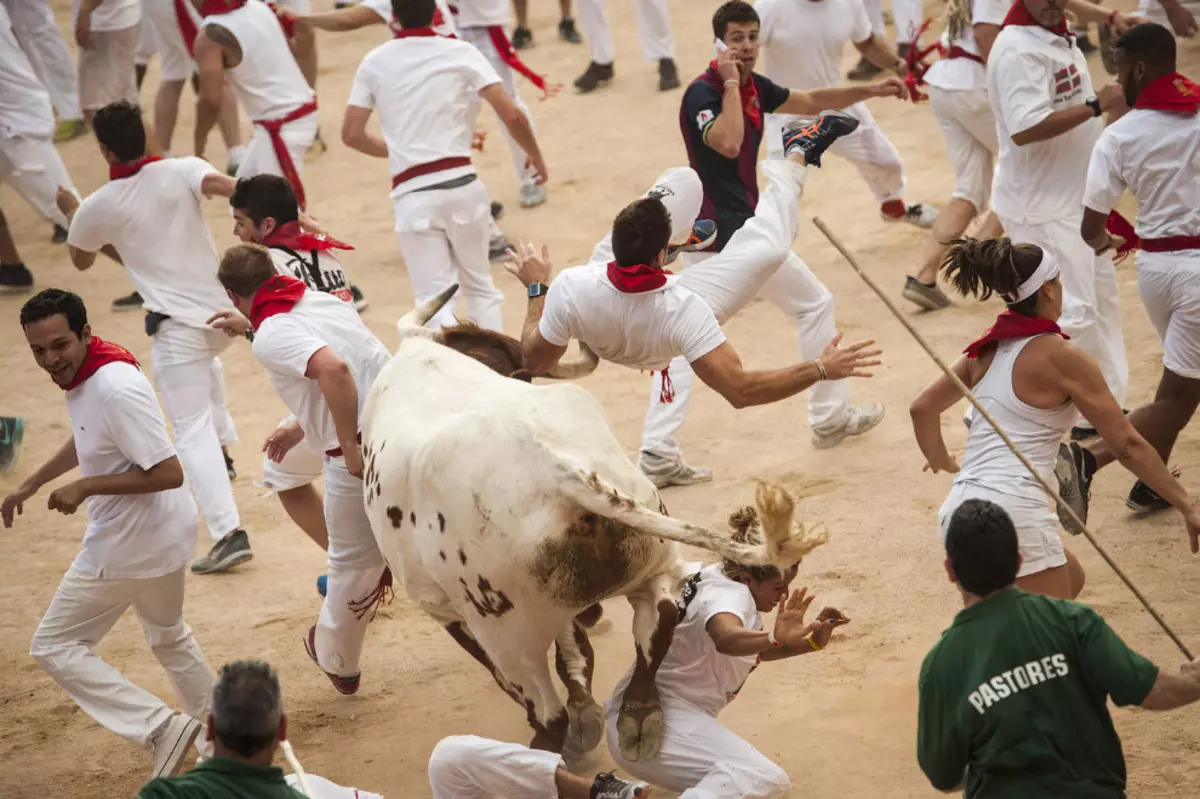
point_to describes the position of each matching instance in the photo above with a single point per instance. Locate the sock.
(237, 153)
(894, 208)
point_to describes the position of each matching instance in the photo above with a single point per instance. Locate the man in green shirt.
(1013, 698)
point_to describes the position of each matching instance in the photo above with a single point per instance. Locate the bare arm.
(728, 130)
(211, 73)
(1058, 123)
(344, 19)
(926, 412)
(540, 355)
(341, 395)
(985, 37)
(818, 100)
(1094, 229)
(162, 476)
(59, 464)
(355, 135)
(733, 639)
(1171, 691)
(880, 52)
(217, 184)
(82, 259)
(517, 124)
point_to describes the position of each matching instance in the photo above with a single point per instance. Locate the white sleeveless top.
(268, 81)
(1037, 432)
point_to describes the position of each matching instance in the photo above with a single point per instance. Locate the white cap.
(681, 192)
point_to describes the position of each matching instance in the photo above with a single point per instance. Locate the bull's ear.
(524, 375)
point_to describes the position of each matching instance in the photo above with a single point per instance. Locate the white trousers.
(965, 117)
(868, 148)
(470, 767)
(322, 788)
(1169, 285)
(260, 158)
(190, 382)
(1091, 313)
(482, 41)
(33, 167)
(653, 22)
(701, 758)
(443, 237)
(906, 15)
(33, 22)
(757, 261)
(82, 612)
(175, 62)
(355, 566)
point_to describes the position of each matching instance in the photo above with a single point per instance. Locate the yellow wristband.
(813, 644)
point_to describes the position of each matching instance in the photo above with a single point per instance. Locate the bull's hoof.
(586, 727)
(639, 730)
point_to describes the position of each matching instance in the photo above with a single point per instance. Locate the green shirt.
(1015, 694)
(222, 778)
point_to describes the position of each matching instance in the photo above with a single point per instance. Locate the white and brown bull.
(508, 511)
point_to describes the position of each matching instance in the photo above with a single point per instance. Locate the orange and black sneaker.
(704, 233)
(814, 138)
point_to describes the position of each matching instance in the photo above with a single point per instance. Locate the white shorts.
(106, 69)
(967, 123)
(1034, 517)
(146, 46)
(33, 167)
(176, 62)
(260, 158)
(299, 467)
(1169, 284)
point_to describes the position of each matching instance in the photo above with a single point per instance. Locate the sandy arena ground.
(842, 724)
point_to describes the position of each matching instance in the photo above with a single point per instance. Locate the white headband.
(1047, 270)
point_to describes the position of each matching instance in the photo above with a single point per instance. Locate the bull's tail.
(775, 510)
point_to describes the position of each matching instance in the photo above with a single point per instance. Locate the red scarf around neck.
(1010, 324)
(212, 8)
(292, 236)
(100, 353)
(749, 91)
(1019, 15)
(1171, 92)
(637, 278)
(118, 171)
(276, 296)
(408, 33)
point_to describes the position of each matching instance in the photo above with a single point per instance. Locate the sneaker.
(15, 278)
(532, 195)
(609, 786)
(1082, 432)
(668, 75)
(522, 38)
(593, 77)
(231, 550)
(567, 32)
(497, 210)
(12, 429)
(130, 302)
(922, 215)
(58, 235)
(318, 146)
(814, 139)
(1108, 52)
(1075, 468)
(864, 70)
(665, 472)
(1143, 499)
(346, 686)
(930, 298)
(704, 233)
(862, 418)
(357, 299)
(68, 129)
(170, 745)
(498, 248)
(232, 472)
(323, 584)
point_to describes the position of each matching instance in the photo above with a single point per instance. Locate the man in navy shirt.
(722, 124)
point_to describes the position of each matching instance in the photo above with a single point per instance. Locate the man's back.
(222, 778)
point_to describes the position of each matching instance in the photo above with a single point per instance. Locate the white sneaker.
(170, 745)
(532, 195)
(862, 418)
(922, 215)
(664, 472)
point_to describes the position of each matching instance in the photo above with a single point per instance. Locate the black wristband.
(1094, 103)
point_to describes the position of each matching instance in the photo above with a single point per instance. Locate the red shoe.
(344, 685)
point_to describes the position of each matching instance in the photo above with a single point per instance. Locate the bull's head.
(500, 353)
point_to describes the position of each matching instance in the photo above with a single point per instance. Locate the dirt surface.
(882, 565)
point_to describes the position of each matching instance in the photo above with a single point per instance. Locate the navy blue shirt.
(730, 184)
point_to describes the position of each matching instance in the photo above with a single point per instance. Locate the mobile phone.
(719, 47)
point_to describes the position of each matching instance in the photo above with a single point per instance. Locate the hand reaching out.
(849, 361)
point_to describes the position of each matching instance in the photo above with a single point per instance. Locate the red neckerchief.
(1171, 92)
(277, 295)
(292, 236)
(749, 91)
(1010, 325)
(1118, 225)
(212, 8)
(100, 353)
(914, 76)
(118, 171)
(405, 33)
(1019, 15)
(637, 278)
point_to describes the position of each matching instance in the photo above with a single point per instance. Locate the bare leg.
(166, 111)
(950, 224)
(563, 5)
(1161, 421)
(305, 51)
(8, 247)
(1062, 582)
(305, 507)
(521, 9)
(139, 72)
(227, 120)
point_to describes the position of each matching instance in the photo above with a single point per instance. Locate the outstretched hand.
(850, 361)
(890, 87)
(527, 264)
(232, 322)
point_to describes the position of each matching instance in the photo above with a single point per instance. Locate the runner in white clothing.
(1151, 151)
(906, 18)
(35, 26)
(141, 530)
(322, 360)
(106, 32)
(658, 44)
(427, 90)
(150, 213)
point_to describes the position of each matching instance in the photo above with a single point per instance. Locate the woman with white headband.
(1032, 381)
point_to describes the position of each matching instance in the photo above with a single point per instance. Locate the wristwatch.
(538, 290)
(1094, 103)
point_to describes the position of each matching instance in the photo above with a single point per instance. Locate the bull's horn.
(413, 323)
(582, 366)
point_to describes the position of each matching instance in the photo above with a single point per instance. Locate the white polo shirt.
(384, 9)
(426, 91)
(155, 222)
(320, 271)
(118, 425)
(25, 108)
(963, 73)
(285, 342)
(802, 40)
(268, 81)
(112, 15)
(483, 13)
(642, 331)
(1156, 156)
(1032, 73)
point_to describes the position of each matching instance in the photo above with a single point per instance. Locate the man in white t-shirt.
(34, 23)
(141, 529)
(658, 44)
(1152, 151)
(1047, 120)
(906, 18)
(106, 32)
(801, 45)
(427, 89)
(150, 213)
(321, 360)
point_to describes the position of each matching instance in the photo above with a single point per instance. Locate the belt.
(1171, 244)
(273, 127)
(336, 452)
(958, 52)
(440, 165)
(453, 183)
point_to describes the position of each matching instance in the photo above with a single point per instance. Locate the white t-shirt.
(1031, 74)
(963, 73)
(155, 222)
(693, 670)
(118, 425)
(642, 331)
(426, 90)
(112, 15)
(483, 13)
(384, 9)
(1156, 155)
(285, 342)
(802, 40)
(320, 271)
(25, 108)
(268, 81)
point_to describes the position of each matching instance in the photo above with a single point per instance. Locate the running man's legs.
(33, 22)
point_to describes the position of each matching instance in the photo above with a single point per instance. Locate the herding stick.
(970, 395)
(289, 755)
